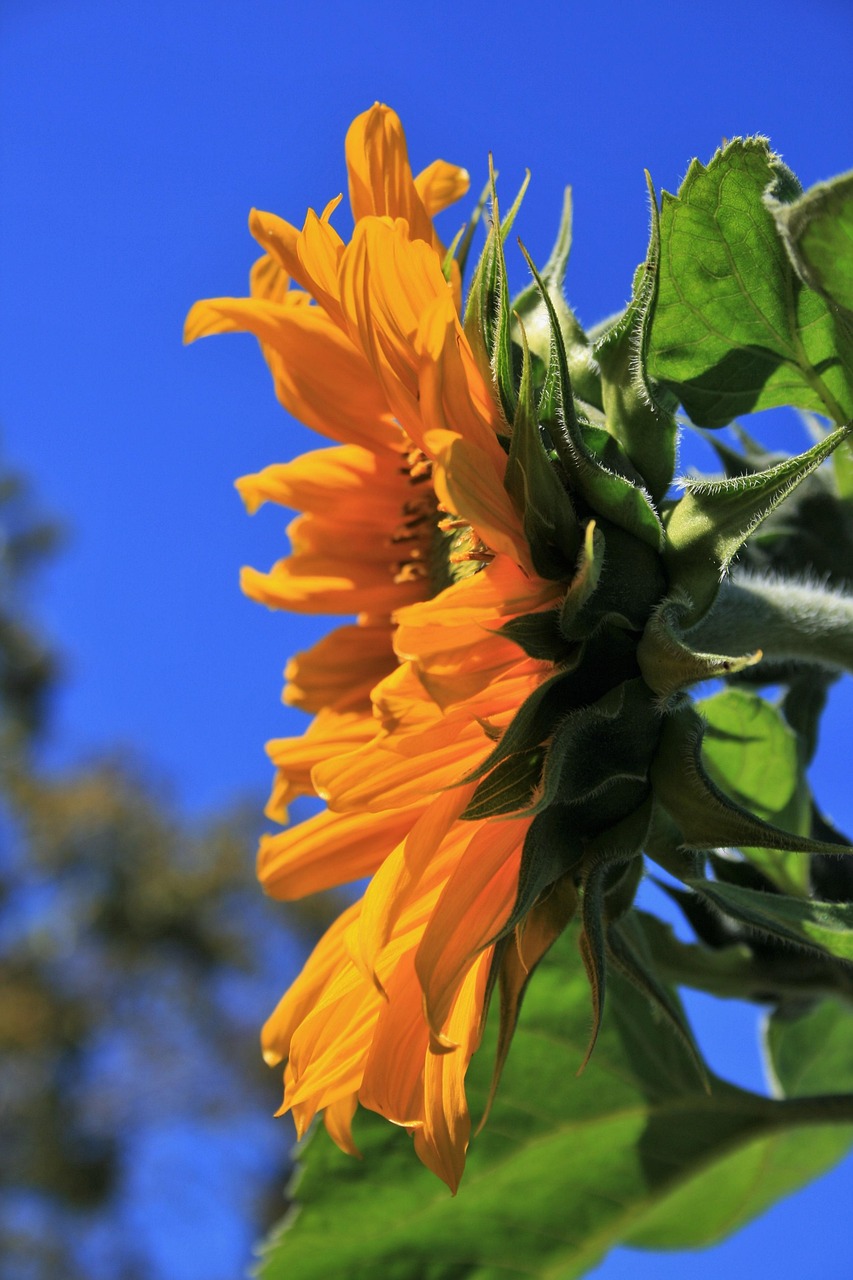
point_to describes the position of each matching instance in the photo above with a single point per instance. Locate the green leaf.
(811, 1053)
(754, 756)
(734, 328)
(817, 230)
(633, 1152)
(822, 926)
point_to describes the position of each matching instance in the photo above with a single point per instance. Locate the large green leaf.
(752, 755)
(734, 328)
(634, 1151)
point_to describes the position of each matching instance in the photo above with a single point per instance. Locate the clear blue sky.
(135, 138)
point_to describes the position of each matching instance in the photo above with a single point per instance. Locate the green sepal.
(812, 532)
(552, 849)
(598, 745)
(531, 724)
(605, 862)
(487, 312)
(509, 787)
(594, 462)
(826, 927)
(462, 241)
(583, 585)
(593, 949)
(450, 256)
(530, 310)
(619, 580)
(708, 526)
(646, 431)
(733, 328)
(667, 661)
(704, 815)
(817, 231)
(550, 524)
(555, 911)
(628, 952)
(539, 635)
(733, 970)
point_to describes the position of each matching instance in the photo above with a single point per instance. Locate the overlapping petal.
(406, 525)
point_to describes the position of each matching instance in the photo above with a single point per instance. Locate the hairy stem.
(786, 620)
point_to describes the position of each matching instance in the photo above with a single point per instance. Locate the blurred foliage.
(136, 961)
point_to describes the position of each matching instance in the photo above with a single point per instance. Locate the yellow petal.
(441, 184)
(303, 994)
(309, 256)
(442, 1142)
(387, 281)
(380, 177)
(329, 849)
(341, 669)
(473, 906)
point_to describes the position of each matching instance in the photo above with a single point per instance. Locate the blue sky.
(135, 138)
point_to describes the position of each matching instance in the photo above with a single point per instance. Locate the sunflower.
(502, 730)
(407, 525)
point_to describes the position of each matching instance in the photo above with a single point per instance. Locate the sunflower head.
(506, 727)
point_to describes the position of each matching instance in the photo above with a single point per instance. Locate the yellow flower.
(406, 524)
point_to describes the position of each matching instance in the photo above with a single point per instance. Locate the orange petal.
(441, 184)
(393, 1082)
(362, 483)
(400, 769)
(329, 849)
(387, 281)
(468, 483)
(473, 906)
(303, 994)
(442, 1142)
(426, 851)
(451, 386)
(314, 585)
(309, 256)
(341, 669)
(338, 1121)
(330, 732)
(269, 281)
(380, 177)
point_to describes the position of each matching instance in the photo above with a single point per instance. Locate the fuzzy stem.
(787, 620)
